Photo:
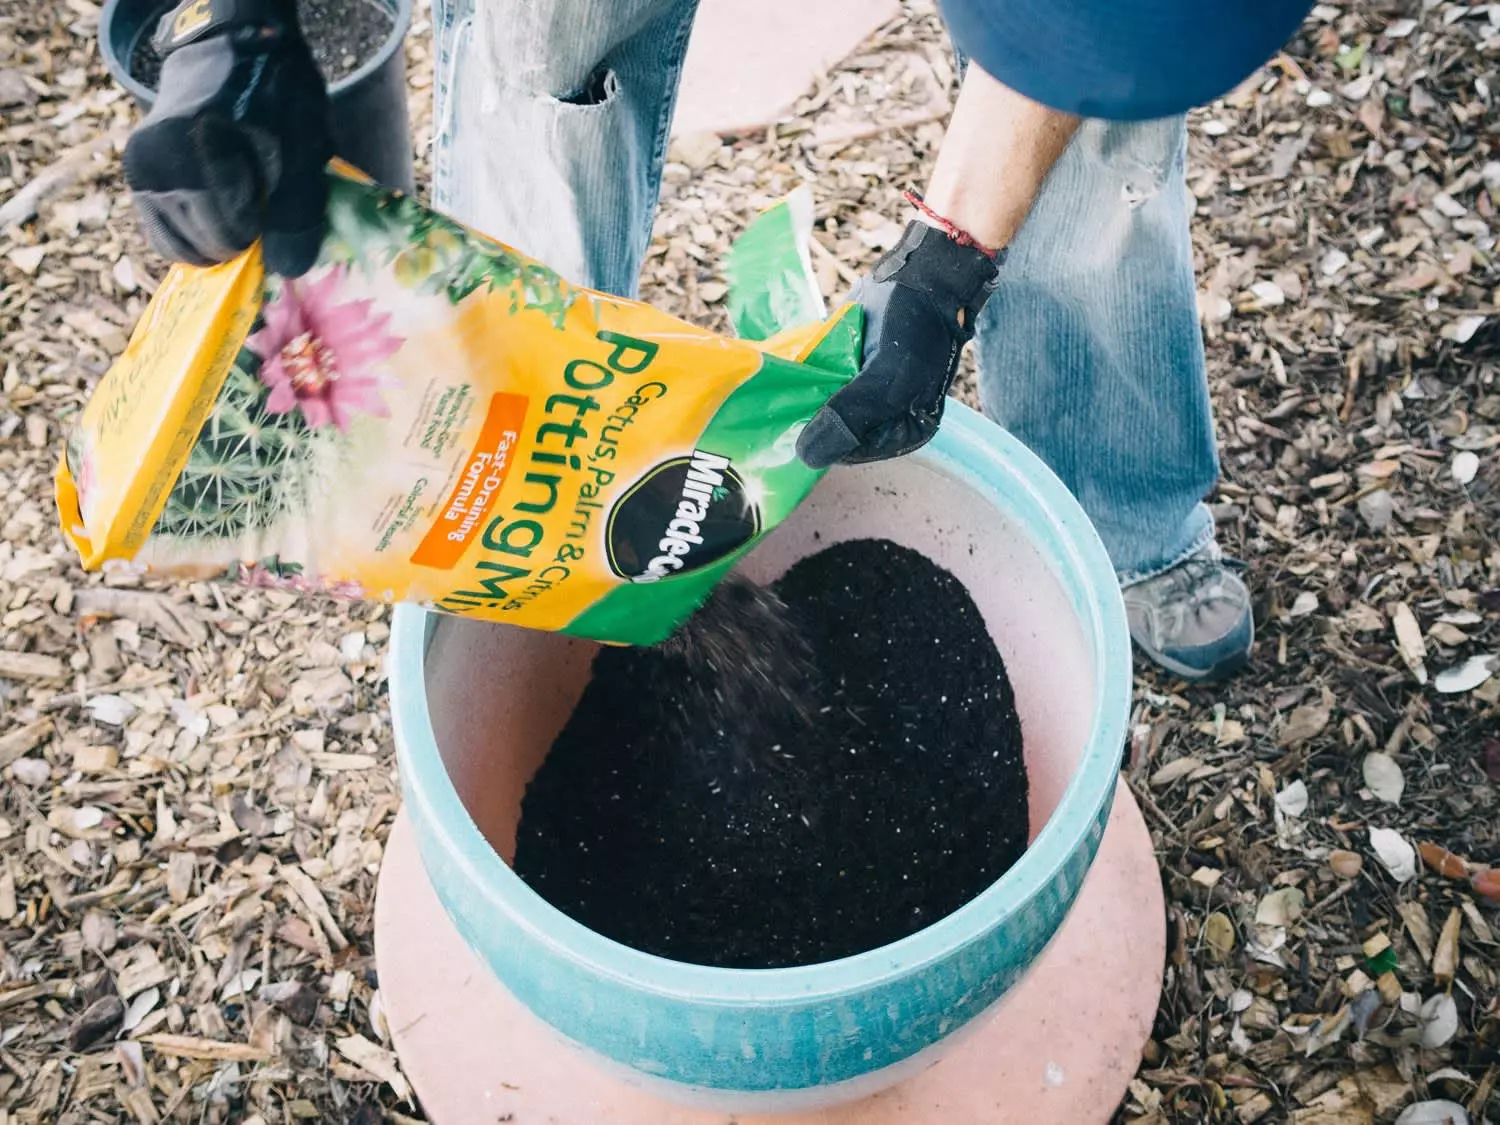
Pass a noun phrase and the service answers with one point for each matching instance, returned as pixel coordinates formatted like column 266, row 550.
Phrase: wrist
column 953, row 226
column 991, row 218
column 956, row 279
column 998, row 150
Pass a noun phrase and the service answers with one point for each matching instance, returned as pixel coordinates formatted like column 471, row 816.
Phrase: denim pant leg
column 1090, row 350
column 551, row 120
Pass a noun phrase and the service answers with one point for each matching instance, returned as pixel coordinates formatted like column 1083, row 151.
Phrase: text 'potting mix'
column 430, row 416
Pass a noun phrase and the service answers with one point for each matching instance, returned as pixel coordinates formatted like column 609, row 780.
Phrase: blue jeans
column 552, row 119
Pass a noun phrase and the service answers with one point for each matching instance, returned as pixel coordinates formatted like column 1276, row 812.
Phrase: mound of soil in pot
column 343, row 35
column 786, row 843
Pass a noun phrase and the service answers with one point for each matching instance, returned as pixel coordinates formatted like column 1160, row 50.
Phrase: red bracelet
column 951, row 229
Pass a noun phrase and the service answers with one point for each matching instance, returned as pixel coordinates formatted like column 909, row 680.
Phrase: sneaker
column 1195, row 619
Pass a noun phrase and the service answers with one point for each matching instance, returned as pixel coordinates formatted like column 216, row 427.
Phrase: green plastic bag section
column 772, row 286
column 755, row 427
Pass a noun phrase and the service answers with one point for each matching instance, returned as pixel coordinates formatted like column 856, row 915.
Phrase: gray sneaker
column 1195, row 619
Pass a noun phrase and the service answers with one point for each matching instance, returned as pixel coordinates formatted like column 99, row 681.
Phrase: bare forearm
column 997, row 152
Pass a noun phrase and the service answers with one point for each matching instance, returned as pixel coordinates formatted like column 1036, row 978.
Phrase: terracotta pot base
column 1059, row 1050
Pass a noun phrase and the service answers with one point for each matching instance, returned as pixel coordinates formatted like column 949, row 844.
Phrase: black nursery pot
column 370, row 126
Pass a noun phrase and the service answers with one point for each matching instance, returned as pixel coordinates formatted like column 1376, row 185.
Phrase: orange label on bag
column 478, row 487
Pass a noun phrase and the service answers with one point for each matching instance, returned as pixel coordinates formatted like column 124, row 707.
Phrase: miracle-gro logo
column 682, row 515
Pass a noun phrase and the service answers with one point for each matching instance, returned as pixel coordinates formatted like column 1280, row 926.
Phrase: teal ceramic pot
column 476, row 706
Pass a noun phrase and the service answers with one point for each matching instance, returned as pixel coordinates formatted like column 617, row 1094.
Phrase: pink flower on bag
column 344, row 588
column 264, row 578
column 319, row 355
column 84, row 483
column 260, row 578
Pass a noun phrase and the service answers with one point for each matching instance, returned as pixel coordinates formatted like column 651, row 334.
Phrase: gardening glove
column 920, row 303
column 236, row 145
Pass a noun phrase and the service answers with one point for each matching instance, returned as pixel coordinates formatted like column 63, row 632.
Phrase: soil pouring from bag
column 343, row 35
column 690, row 810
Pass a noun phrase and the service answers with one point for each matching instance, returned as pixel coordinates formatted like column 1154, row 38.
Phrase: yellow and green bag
column 430, row 416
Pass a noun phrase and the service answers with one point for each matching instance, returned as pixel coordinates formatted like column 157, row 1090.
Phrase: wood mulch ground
column 198, row 780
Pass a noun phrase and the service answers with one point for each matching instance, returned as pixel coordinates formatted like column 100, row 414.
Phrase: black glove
column 920, row 303
column 236, row 145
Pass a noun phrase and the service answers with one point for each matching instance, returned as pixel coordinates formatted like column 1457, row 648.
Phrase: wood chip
column 1304, row 724
column 1444, row 862
column 338, row 763
column 180, row 870
column 30, row 666
column 175, row 623
column 189, row 1047
column 1409, row 641
column 1389, row 987
column 14, row 89
column 1486, row 885
column 1445, row 955
column 19, row 995
column 1415, row 920
column 27, row 259
column 138, row 1102
column 94, row 1022
column 145, row 970
column 1477, row 925
column 1174, row 770
column 23, row 204
column 23, row 740
column 1346, row 864
column 307, row 892
column 95, row 759
column 379, row 1062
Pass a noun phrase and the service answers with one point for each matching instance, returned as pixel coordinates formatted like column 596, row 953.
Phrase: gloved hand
column 921, row 302
column 235, row 147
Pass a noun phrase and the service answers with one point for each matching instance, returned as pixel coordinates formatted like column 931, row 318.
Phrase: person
column 1054, row 227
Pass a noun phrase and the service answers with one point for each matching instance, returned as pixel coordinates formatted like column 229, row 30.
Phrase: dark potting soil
column 343, row 35
column 742, row 663
column 790, row 841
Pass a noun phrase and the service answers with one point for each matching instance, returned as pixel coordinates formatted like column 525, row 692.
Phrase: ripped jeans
column 552, row 119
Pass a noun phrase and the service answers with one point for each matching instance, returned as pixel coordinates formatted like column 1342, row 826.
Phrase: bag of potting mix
column 430, row 416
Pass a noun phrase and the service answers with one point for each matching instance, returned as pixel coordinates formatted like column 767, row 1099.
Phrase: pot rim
column 975, row 451
column 119, row 68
